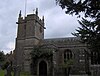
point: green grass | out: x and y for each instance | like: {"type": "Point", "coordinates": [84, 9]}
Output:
{"type": "Point", "coordinates": [21, 74]}
{"type": "Point", "coordinates": [1, 72]}
{"type": "Point", "coordinates": [25, 74]}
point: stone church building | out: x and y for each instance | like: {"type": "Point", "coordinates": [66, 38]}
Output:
{"type": "Point", "coordinates": [58, 51]}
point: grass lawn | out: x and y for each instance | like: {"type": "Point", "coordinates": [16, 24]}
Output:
{"type": "Point", "coordinates": [1, 72]}
{"type": "Point", "coordinates": [22, 73]}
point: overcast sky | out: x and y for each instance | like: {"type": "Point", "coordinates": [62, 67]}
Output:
{"type": "Point", "coordinates": [57, 23]}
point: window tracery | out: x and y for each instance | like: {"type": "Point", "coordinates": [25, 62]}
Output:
{"type": "Point", "coordinates": [67, 55]}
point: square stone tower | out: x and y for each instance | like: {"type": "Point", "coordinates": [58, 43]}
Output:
{"type": "Point", "coordinates": [30, 32]}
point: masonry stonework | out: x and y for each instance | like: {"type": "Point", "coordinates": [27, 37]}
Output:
{"type": "Point", "coordinates": [31, 33]}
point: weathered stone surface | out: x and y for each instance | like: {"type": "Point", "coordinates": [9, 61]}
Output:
{"type": "Point", "coordinates": [31, 34]}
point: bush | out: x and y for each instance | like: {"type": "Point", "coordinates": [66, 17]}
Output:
{"type": "Point", "coordinates": [5, 65]}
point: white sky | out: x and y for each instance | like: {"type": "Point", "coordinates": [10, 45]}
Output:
{"type": "Point", "coordinates": [57, 23]}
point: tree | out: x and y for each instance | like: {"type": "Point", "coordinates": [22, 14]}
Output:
{"type": "Point", "coordinates": [89, 34]}
{"type": "Point", "coordinates": [90, 8]}
{"type": "Point", "coordinates": [2, 56]}
{"type": "Point", "coordinates": [89, 31]}
{"type": "Point", "coordinates": [40, 52]}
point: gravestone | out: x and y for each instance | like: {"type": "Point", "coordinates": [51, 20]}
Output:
{"type": "Point", "coordinates": [9, 69]}
{"type": "Point", "coordinates": [16, 71]}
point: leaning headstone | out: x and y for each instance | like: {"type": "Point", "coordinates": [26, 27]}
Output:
{"type": "Point", "coordinates": [16, 71]}
{"type": "Point", "coordinates": [9, 69]}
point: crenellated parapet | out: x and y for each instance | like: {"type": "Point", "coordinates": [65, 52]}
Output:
{"type": "Point", "coordinates": [30, 17]}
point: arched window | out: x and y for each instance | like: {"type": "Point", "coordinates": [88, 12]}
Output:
{"type": "Point", "coordinates": [67, 55]}
{"type": "Point", "coordinates": [95, 58]}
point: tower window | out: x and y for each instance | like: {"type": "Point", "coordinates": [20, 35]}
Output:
{"type": "Point", "coordinates": [95, 58]}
